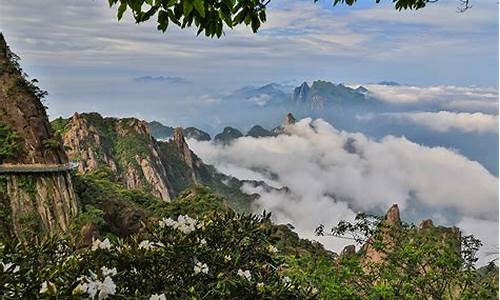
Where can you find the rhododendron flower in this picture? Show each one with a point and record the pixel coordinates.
(245, 274)
(186, 224)
(106, 271)
(48, 288)
(98, 244)
(106, 288)
(200, 268)
(147, 245)
(158, 297)
(7, 266)
(167, 222)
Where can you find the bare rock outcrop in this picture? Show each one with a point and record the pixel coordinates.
(392, 221)
(123, 145)
(44, 202)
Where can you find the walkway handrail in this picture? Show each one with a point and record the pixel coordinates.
(36, 168)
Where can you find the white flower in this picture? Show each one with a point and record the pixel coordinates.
(287, 279)
(167, 222)
(98, 244)
(245, 274)
(48, 288)
(147, 245)
(203, 242)
(227, 258)
(106, 288)
(91, 287)
(106, 271)
(7, 266)
(200, 268)
(186, 224)
(272, 249)
(314, 291)
(158, 297)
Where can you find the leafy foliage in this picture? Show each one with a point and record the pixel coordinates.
(9, 143)
(19, 81)
(224, 257)
(59, 125)
(401, 261)
(213, 16)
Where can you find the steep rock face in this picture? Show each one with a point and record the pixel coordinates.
(392, 221)
(301, 93)
(185, 153)
(324, 94)
(85, 143)
(392, 224)
(43, 202)
(123, 145)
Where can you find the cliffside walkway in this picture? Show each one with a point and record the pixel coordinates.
(36, 168)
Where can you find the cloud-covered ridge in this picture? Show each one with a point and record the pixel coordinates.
(458, 98)
(333, 174)
(444, 121)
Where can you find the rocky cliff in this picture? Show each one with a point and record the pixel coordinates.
(324, 94)
(138, 161)
(391, 231)
(123, 145)
(34, 202)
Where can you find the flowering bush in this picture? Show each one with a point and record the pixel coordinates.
(226, 256)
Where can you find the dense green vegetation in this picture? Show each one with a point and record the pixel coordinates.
(59, 125)
(9, 143)
(227, 256)
(156, 249)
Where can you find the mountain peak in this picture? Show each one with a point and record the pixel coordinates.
(179, 135)
(301, 93)
(392, 216)
(227, 135)
(289, 120)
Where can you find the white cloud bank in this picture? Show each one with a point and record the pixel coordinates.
(444, 121)
(332, 174)
(456, 98)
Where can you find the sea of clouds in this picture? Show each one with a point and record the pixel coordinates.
(331, 175)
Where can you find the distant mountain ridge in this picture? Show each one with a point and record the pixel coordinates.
(162, 132)
(322, 94)
(318, 96)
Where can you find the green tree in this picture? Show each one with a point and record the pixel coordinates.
(411, 262)
(213, 16)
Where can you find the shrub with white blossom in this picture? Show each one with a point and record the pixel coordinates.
(226, 256)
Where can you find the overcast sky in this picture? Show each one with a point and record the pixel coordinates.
(87, 60)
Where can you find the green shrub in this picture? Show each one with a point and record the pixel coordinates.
(226, 256)
(9, 143)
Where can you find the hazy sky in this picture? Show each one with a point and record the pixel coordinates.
(87, 60)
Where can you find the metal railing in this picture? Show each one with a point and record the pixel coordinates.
(36, 168)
